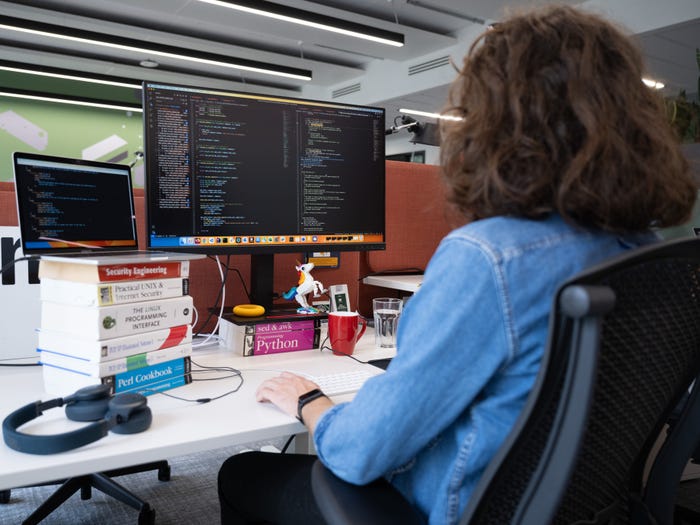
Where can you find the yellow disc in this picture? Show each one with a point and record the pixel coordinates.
(248, 310)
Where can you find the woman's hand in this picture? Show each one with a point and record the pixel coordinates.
(284, 391)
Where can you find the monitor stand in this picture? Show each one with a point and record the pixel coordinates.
(262, 271)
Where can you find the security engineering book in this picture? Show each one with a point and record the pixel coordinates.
(71, 270)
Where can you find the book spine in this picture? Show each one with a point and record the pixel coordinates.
(272, 338)
(156, 378)
(286, 336)
(116, 366)
(106, 322)
(146, 381)
(262, 344)
(105, 294)
(285, 326)
(119, 347)
(102, 273)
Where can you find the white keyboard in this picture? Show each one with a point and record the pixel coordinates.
(342, 382)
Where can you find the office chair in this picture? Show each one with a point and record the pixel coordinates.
(102, 481)
(687, 501)
(623, 349)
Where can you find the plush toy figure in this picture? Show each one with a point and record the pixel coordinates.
(305, 286)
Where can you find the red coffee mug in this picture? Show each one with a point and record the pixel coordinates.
(344, 330)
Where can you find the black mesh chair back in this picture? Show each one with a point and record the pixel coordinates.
(624, 348)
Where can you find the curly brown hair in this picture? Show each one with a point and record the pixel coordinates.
(557, 119)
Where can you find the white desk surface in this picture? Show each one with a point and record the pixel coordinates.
(178, 427)
(405, 283)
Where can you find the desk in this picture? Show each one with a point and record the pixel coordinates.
(404, 283)
(178, 427)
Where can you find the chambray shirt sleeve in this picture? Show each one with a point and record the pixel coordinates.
(453, 337)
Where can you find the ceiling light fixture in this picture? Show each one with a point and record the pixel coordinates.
(428, 114)
(76, 101)
(149, 63)
(654, 84)
(311, 19)
(16, 67)
(150, 49)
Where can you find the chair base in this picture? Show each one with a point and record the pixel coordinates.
(147, 515)
(103, 482)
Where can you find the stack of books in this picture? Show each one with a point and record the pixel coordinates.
(125, 325)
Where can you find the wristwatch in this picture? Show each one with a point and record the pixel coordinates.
(307, 398)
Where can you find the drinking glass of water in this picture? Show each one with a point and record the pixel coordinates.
(387, 311)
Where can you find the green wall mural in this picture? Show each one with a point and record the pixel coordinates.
(69, 131)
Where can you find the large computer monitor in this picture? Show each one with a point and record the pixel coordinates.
(240, 173)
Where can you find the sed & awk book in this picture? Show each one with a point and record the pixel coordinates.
(270, 337)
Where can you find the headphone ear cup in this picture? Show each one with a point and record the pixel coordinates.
(92, 410)
(129, 413)
(89, 393)
(138, 421)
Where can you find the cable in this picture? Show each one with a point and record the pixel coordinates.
(201, 400)
(286, 445)
(205, 338)
(20, 364)
(220, 296)
(12, 263)
(233, 371)
(196, 316)
(324, 347)
(240, 278)
(204, 368)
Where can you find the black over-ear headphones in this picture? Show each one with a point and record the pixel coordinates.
(125, 413)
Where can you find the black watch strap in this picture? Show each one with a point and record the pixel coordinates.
(304, 399)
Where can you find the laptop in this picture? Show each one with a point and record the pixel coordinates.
(80, 209)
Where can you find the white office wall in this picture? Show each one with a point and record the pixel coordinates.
(21, 313)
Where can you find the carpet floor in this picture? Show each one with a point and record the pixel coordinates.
(189, 498)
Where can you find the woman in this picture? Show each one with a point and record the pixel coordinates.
(563, 158)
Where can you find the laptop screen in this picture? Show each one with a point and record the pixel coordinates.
(73, 205)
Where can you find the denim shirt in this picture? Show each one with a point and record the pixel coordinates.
(469, 347)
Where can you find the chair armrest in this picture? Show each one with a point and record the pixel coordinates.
(342, 503)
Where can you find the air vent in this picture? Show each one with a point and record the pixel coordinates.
(430, 64)
(342, 92)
